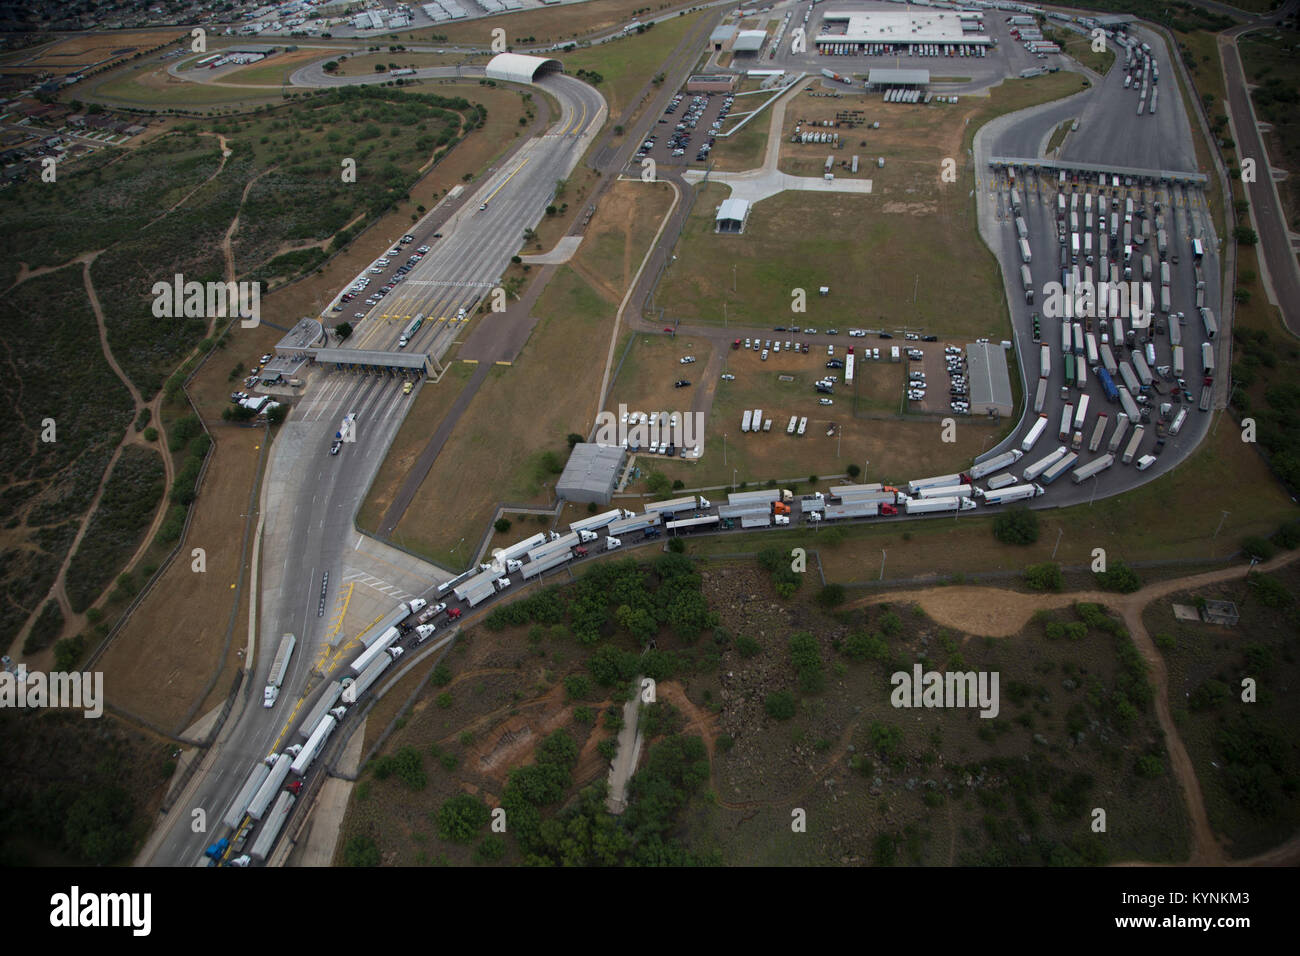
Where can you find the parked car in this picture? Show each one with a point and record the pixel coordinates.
(681, 383)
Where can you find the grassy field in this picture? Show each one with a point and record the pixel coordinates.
(75, 54)
(1057, 137)
(910, 218)
(577, 319)
(1135, 526)
(744, 150)
(627, 63)
(551, 24)
(1202, 657)
(149, 85)
(1080, 48)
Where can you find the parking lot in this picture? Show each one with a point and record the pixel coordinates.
(699, 116)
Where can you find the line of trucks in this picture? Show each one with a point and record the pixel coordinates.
(261, 803)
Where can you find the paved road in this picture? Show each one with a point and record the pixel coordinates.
(1277, 252)
(310, 496)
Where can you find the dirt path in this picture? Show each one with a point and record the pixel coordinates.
(225, 155)
(999, 613)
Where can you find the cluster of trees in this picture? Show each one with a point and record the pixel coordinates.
(619, 596)
(1276, 429)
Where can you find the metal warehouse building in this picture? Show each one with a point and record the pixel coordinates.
(591, 474)
(749, 41)
(990, 381)
(920, 26)
(889, 79)
(731, 216)
(711, 83)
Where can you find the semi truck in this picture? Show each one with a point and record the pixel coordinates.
(353, 691)
(1035, 433)
(1005, 496)
(996, 463)
(1130, 450)
(1207, 320)
(312, 748)
(271, 785)
(1107, 359)
(1207, 358)
(915, 506)
(596, 522)
(1027, 280)
(1179, 365)
(1058, 468)
(1044, 362)
(238, 806)
(322, 707)
(1067, 418)
(1107, 385)
(1117, 437)
(1081, 412)
(1040, 466)
(279, 667)
(688, 503)
(1130, 379)
(270, 831)
(1178, 421)
(373, 652)
(1040, 395)
(1094, 467)
(1143, 370)
(1025, 255)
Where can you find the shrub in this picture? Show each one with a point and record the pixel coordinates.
(1271, 592)
(502, 525)
(1288, 536)
(461, 817)
(1016, 526)
(1118, 577)
(361, 851)
(747, 646)
(831, 596)
(577, 686)
(491, 849)
(441, 675)
(780, 705)
(1257, 547)
(1044, 577)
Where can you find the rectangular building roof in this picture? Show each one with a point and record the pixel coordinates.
(990, 382)
(890, 26)
(749, 41)
(723, 33)
(592, 469)
(889, 77)
(734, 209)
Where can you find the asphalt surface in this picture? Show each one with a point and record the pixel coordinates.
(1275, 246)
(311, 496)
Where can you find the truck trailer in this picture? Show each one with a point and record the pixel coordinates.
(1098, 432)
(932, 505)
(312, 748)
(1036, 432)
(353, 691)
(914, 487)
(239, 806)
(1060, 467)
(270, 786)
(270, 830)
(996, 463)
(1094, 467)
(278, 669)
(322, 707)
(1130, 450)
(1013, 493)
(1040, 395)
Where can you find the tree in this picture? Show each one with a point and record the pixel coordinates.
(658, 483)
(361, 850)
(1118, 577)
(343, 330)
(277, 414)
(1245, 236)
(574, 439)
(780, 705)
(502, 525)
(1256, 547)
(1044, 577)
(461, 817)
(1016, 526)
(332, 66)
(853, 471)
(831, 596)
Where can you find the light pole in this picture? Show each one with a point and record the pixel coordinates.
(882, 564)
(1094, 491)
(733, 478)
(724, 449)
(1059, 533)
(1216, 530)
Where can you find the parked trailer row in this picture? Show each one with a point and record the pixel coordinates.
(553, 560)
(322, 707)
(353, 692)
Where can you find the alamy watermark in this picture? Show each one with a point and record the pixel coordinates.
(624, 428)
(76, 691)
(208, 300)
(950, 689)
(1132, 301)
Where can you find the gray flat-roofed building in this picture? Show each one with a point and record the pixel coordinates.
(882, 78)
(364, 359)
(749, 41)
(591, 473)
(1113, 21)
(990, 382)
(731, 216)
(721, 35)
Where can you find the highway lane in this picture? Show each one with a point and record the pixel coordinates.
(1276, 252)
(310, 497)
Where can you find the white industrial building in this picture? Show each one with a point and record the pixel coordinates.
(917, 25)
(990, 381)
(749, 41)
(591, 473)
(520, 68)
(731, 216)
